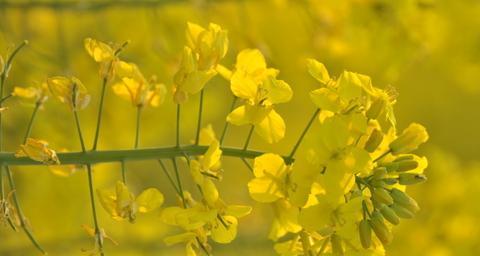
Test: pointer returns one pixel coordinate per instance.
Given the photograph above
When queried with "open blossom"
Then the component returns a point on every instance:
(258, 86)
(133, 86)
(122, 204)
(39, 93)
(104, 54)
(70, 91)
(38, 150)
(205, 48)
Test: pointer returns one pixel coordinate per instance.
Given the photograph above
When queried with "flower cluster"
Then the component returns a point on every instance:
(349, 177)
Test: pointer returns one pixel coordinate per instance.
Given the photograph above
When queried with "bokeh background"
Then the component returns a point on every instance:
(428, 50)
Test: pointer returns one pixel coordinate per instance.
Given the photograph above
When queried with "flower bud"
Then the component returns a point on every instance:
(376, 108)
(407, 165)
(412, 137)
(379, 173)
(337, 248)
(374, 141)
(389, 215)
(404, 158)
(365, 234)
(380, 229)
(411, 178)
(390, 181)
(382, 196)
(402, 199)
(401, 211)
(378, 183)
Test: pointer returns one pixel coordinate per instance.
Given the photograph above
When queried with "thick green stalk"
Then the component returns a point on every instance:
(93, 157)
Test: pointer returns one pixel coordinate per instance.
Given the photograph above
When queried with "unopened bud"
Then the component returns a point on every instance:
(374, 141)
(390, 181)
(380, 229)
(365, 234)
(412, 137)
(402, 212)
(389, 215)
(379, 173)
(382, 196)
(402, 199)
(407, 165)
(411, 178)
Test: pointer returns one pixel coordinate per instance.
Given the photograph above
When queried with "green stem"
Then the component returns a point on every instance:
(5, 98)
(90, 183)
(22, 218)
(179, 182)
(137, 130)
(170, 179)
(199, 123)
(306, 243)
(247, 164)
(178, 127)
(100, 113)
(124, 172)
(224, 132)
(299, 141)
(249, 137)
(30, 123)
(93, 157)
(381, 156)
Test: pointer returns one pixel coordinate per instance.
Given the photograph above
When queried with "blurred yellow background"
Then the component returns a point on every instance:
(428, 50)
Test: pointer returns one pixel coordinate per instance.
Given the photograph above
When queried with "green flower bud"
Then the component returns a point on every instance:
(391, 167)
(407, 165)
(374, 141)
(409, 140)
(382, 196)
(402, 199)
(379, 173)
(404, 158)
(411, 178)
(378, 183)
(402, 212)
(390, 181)
(337, 248)
(389, 215)
(380, 229)
(365, 234)
(377, 107)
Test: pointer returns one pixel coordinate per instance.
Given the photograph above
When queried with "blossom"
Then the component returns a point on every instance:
(209, 44)
(122, 204)
(38, 150)
(70, 91)
(257, 85)
(133, 86)
(104, 54)
(39, 93)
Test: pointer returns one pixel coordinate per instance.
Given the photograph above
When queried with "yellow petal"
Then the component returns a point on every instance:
(318, 71)
(226, 232)
(238, 211)
(264, 190)
(278, 91)
(272, 128)
(180, 238)
(99, 51)
(326, 99)
(150, 199)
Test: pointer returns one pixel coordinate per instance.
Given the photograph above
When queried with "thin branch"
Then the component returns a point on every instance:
(178, 126)
(224, 132)
(199, 123)
(100, 112)
(179, 181)
(249, 137)
(299, 141)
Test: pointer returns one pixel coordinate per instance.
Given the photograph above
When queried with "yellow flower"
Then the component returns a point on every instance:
(38, 150)
(70, 91)
(122, 204)
(412, 137)
(258, 86)
(209, 44)
(104, 54)
(135, 88)
(91, 233)
(65, 170)
(38, 93)
(189, 79)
